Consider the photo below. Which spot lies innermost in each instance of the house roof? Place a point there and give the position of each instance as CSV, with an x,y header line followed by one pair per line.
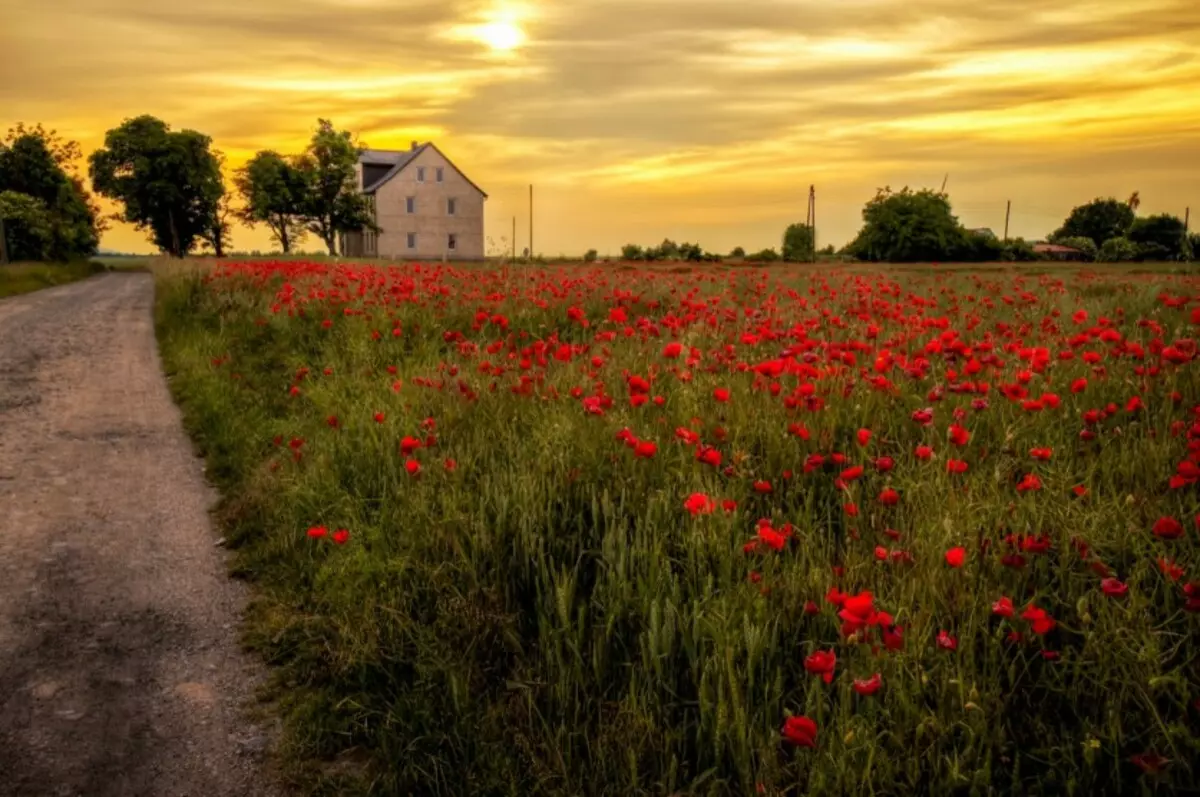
x,y
401,158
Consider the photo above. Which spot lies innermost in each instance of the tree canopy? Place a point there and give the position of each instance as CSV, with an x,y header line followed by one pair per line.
x,y
799,243
908,226
273,193
168,182
47,213
1160,237
332,202
1098,220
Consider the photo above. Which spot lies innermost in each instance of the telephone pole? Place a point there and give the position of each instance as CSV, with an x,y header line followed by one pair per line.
x,y
811,219
1007,213
1187,218
531,222
514,239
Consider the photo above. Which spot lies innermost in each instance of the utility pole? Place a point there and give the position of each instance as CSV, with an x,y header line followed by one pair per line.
x,y
531,222
3,243
1007,213
810,220
1187,218
514,239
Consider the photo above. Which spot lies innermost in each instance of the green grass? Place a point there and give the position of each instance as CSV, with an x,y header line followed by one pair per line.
x,y
548,619
21,278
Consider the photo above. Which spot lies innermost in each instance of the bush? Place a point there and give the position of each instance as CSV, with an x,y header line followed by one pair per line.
x,y
632,252
737,251
590,256
1019,250
1085,245
763,256
910,227
1160,237
1118,250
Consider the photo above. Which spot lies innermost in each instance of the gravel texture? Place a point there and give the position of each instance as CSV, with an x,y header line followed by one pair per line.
x,y
121,669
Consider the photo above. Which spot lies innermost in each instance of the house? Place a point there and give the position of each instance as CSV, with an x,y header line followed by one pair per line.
x,y
1059,252
425,207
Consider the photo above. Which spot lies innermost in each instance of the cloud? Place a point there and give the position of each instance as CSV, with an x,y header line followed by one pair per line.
x,y
707,116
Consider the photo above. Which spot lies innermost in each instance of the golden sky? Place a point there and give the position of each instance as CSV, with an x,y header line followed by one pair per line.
x,y
699,120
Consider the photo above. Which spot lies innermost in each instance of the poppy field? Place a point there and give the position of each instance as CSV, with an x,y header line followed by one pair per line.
x,y
617,530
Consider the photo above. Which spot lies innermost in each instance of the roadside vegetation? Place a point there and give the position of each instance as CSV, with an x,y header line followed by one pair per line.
x,y
618,531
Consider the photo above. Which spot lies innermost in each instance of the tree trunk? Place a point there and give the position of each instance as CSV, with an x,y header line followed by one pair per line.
x,y
174,252
284,240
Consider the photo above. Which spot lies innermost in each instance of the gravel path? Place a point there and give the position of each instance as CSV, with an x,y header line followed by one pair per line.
x,y
121,671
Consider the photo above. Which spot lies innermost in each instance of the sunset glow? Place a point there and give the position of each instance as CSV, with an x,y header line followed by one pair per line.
x,y
639,120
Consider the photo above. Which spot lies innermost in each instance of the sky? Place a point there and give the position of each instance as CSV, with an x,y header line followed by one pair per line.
x,y
638,120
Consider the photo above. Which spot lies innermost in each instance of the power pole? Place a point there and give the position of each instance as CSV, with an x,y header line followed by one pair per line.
x,y
531,222
3,243
812,192
1187,218
1007,213
514,239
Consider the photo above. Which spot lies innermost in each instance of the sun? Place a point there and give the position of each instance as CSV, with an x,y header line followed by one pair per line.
x,y
501,36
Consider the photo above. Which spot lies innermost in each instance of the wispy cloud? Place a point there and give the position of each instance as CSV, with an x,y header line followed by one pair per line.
x,y
643,118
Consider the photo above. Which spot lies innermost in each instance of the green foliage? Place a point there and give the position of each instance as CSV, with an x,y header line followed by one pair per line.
x,y
1118,250
909,227
1098,220
1019,250
30,277
1194,245
590,256
632,252
1160,237
28,228
1085,245
168,182
737,252
799,242
828,249
273,193
763,256
979,248
38,164
332,203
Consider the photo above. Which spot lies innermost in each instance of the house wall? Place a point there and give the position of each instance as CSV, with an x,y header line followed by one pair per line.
x,y
430,222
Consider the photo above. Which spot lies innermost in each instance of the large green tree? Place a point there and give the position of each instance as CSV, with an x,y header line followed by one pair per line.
x,y
28,228
908,227
274,193
38,164
1160,237
799,243
1099,220
332,202
168,182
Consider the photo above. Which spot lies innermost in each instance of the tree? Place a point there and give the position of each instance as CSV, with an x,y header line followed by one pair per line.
x,y
590,256
737,252
169,182
1019,250
1117,250
631,252
273,192
219,231
1194,245
798,243
28,227
332,202
38,164
764,256
1098,220
908,226
1161,237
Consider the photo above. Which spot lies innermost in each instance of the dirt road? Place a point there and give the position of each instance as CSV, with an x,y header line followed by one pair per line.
x,y
120,672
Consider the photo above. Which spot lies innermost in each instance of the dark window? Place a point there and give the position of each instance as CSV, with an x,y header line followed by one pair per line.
x,y
410,204
412,240
420,174
440,176
452,242
451,206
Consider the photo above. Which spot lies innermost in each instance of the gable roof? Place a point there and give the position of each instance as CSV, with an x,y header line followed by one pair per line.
x,y
399,159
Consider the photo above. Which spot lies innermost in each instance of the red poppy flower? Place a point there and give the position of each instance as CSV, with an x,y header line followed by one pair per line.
x,y
851,509
762,487
893,637
341,536
687,435
924,452
645,449
1170,569
850,474
811,608
1003,607
800,731
822,663
955,557
699,504
1041,454
332,420
379,418
729,505
1114,588
863,436
889,497
708,455
956,466
1041,622
771,538
412,466
959,435
1167,528
316,532
1030,482
672,350
721,395
450,465
868,686
1150,763
945,641
884,464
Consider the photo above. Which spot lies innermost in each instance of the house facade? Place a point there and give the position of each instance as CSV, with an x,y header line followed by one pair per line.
x,y
425,207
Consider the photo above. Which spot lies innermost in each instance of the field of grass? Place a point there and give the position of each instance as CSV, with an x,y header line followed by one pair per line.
x,y
706,530
20,278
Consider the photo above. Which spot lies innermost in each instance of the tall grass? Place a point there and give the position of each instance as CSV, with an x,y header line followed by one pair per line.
x,y
18,278
534,611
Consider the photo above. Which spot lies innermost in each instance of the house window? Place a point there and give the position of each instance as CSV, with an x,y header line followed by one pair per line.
x,y
410,204
420,174
451,206
412,240
441,177
452,242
